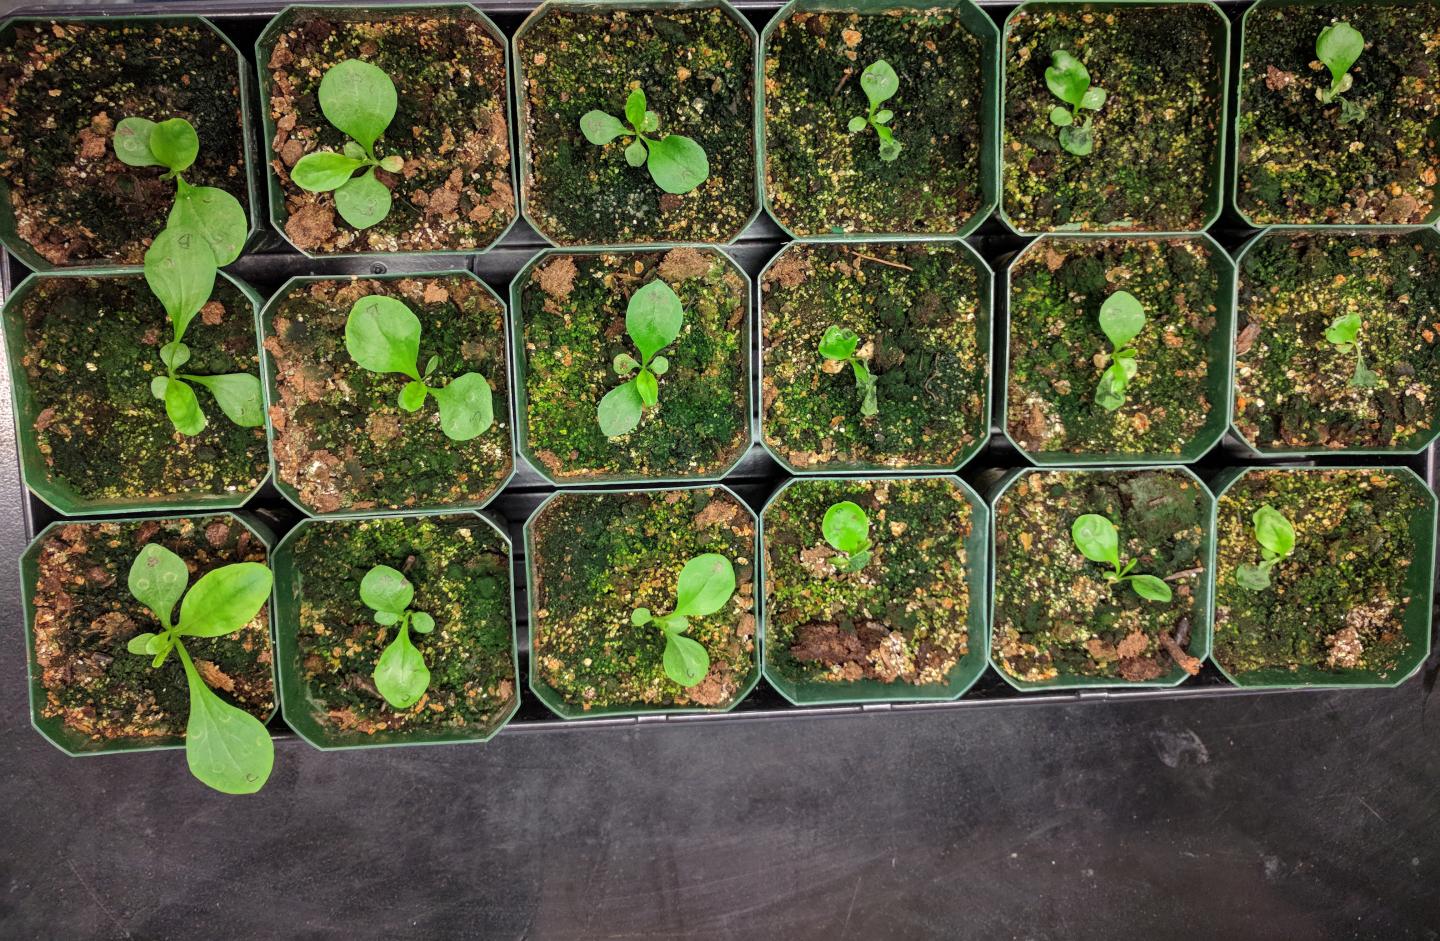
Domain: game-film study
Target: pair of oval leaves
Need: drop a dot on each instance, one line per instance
(653, 319)
(704, 587)
(676, 163)
(400, 674)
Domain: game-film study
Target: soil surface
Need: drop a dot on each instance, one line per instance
(91, 348)
(450, 126)
(342, 440)
(1292, 386)
(598, 557)
(1058, 352)
(460, 569)
(922, 313)
(85, 615)
(902, 619)
(820, 178)
(1336, 605)
(1297, 163)
(1055, 615)
(1157, 137)
(63, 88)
(573, 309)
(696, 69)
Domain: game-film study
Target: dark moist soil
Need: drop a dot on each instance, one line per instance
(574, 319)
(63, 88)
(1292, 387)
(1157, 137)
(91, 348)
(342, 440)
(1055, 615)
(1297, 162)
(598, 557)
(821, 179)
(1058, 351)
(903, 618)
(1337, 603)
(919, 310)
(695, 67)
(461, 572)
(454, 192)
(85, 615)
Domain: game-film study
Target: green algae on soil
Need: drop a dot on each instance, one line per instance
(598, 557)
(1055, 615)
(460, 569)
(1157, 137)
(1058, 351)
(695, 66)
(341, 438)
(64, 85)
(901, 619)
(1337, 603)
(922, 313)
(1292, 386)
(1296, 162)
(84, 616)
(573, 311)
(820, 178)
(454, 192)
(91, 348)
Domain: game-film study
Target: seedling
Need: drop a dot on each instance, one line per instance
(358, 99)
(1338, 46)
(677, 164)
(1344, 332)
(1277, 540)
(1069, 80)
(653, 319)
(1099, 541)
(1122, 318)
(847, 529)
(705, 585)
(838, 345)
(880, 83)
(383, 335)
(225, 747)
(401, 675)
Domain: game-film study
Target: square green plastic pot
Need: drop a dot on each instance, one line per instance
(296, 704)
(269, 384)
(1201, 634)
(1419, 585)
(22, 250)
(275, 194)
(984, 324)
(962, 676)
(1428, 235)
(522, 397)
(979, 25)
(551, 697)
(1219, 380)
(76, 744)
(55, 493)
(522, 104)
(1220, 36)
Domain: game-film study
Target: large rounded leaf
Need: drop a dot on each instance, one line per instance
(619, 410)
(678, 164)
(157, 580)
(653, 318)
(175, 144)
(401, 675)
(879, 82)
(383, 335)
(225, 747)
(359, 99)
(363, 200)
(225, 599)
(705, 584)
(601, 128)
(1122, 318)
(1067, 77)
(1096, 538)
(466, 407)
(324, 171)
(238, 395)
(132, 142)
(386, 589)
(685, 660)
(182, 407)
(846, 527)
(180, 269)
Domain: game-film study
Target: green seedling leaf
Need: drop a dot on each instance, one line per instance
(635, 108)
(1097, 539)
(140, 644)
(238, 395)
(686, 661)
(678, 164)
(180, 270)
(324, 171)
(640, 617)
(401, 675)
(175, 144)
(883, 116)
(363, 200)
(182, 407)
(386, 618)
(174, 355)
(432, 364)
(1060, 116)
(879, 82)
(601, 128)
(659, 365)
(648, 387)
(359, 99)
(625, 364)
(705, 585)
(1253, 577)
(858, 124)
(838, 344)
(1078, 140)
(225, 600)
(226, 748)
(421, 622)
(652, 122)
(846, 527)
(1122, 318)
(1339, 46)
(1273, 531)
(1364, 378)
(466, 407)
(635, 153)
(1093, 99)
(412, 395)
(653, 318)
(132, 142)
(619, 411)
(1067, 78)
(214, 215)
(1110, 393)
(386, 589)
(383, 335)
(157, 580)
(1150, 588)
(1344, 329)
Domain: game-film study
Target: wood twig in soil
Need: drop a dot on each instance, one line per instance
(879, 261)
(1183, 573)
(1187, 663)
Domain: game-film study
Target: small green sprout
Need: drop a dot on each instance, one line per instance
(1344, 333)
(880, 83)
(225, 747)
(653, 319)
(677, 164)
(1277, 540)
(705, 585)
(1069, 80)
(1099, 541)
(1122, 318)
(401, 675)
(358, 99)
(838, 345)
(847, 529)
(1338, 46)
